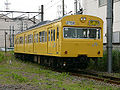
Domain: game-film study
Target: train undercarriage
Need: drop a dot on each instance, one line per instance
(80, 62)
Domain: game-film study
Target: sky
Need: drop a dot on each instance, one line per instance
(50, 6)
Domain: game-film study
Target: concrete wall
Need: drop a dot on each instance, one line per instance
(5, 26)
(91, 7)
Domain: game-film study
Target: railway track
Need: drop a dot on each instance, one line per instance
(94, 76)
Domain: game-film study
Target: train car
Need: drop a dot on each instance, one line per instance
(69, 41)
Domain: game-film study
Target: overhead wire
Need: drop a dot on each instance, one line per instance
(48, 3)
(52, 5)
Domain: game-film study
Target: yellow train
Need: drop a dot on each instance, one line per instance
(69, 41)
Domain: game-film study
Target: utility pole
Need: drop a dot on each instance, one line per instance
(75, 5)
(63, 7)
(20, 25)
(10, 36)
(34, 20)
(5, 40)
(109, 33)
(42, 12)
(39, 9)
(80, 9)
(13, 36)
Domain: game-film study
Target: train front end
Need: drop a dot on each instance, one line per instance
(82, 35)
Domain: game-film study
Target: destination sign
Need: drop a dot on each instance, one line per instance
(94, 23)
(70, 22)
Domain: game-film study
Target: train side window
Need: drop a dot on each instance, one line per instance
(25, 39)
(21, 40)
(45, 36)
(31, 36)
(49, 36)
(57, 33)
(53, 35)
(37, 38)
(40, 36)
(28, 38)
(34, 38)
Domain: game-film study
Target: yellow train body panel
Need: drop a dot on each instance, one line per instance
(70, 36)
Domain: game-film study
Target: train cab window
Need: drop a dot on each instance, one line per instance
(40, 36)
(49, 36)
(53, 35)
(57, 32)
(93, 33)
(98, 34)
(85, 35)
(82, 33)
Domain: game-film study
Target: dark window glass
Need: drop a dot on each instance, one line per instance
(40, 36)
(25, 39)
(53, 35)
(57, 32)
(36, 37)
(45, 36)
(49, 36)
(81, 33)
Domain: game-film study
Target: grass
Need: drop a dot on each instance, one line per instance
(1, 56)
(19, 78)
(14, 71)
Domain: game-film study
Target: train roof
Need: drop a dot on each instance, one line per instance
(48, 22)
(41, 24)
(44, 23)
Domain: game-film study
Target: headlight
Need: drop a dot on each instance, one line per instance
(83, 19)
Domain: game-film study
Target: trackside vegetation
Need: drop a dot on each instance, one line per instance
(31, 76)
(101, 64)
(1, 56)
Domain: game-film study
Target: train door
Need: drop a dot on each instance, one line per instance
(57, 40)
(49, 41)
(53, 40)
(35, 41)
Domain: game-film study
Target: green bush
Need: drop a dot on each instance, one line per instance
(1, 56)
(102, 63)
